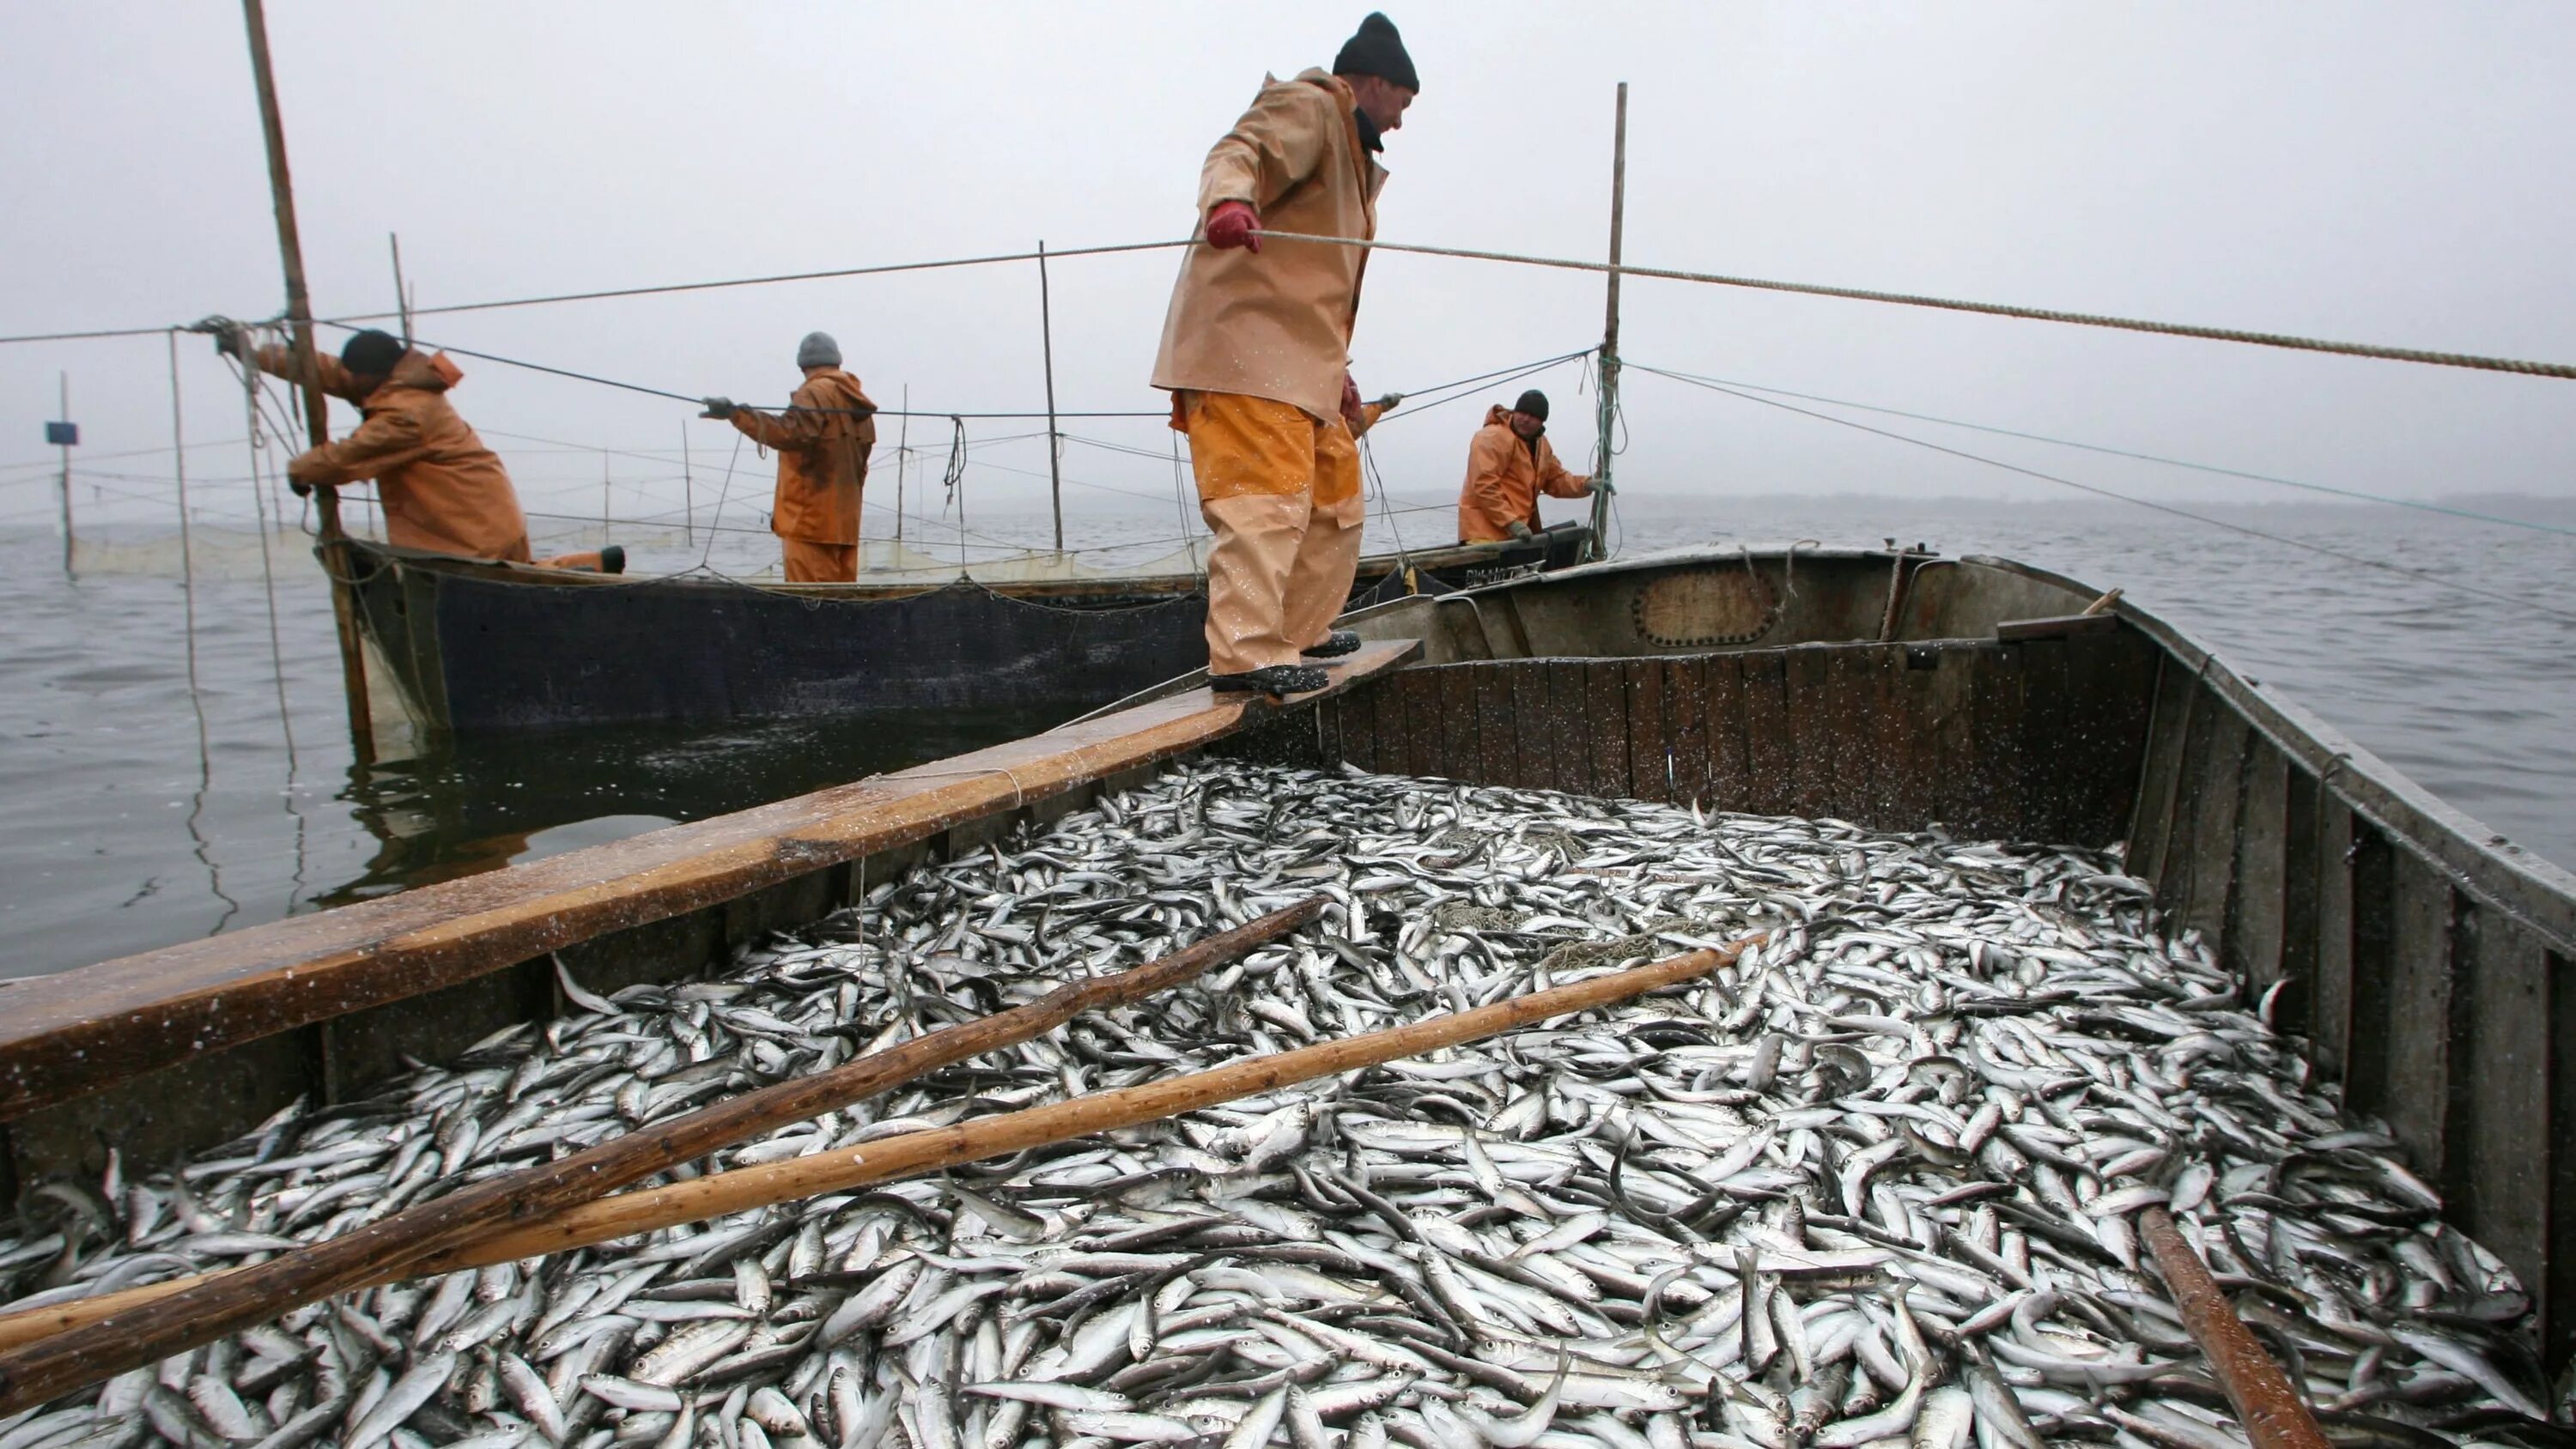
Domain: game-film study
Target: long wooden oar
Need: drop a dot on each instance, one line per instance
(915, 1153)
(115, 1332)
(2265, 1403)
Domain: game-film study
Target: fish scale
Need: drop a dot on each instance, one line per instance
(1849, 1150)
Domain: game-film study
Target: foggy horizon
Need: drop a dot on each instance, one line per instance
(2371, 174)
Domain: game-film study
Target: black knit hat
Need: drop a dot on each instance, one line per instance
(371, 353)
(1534, 403)
(1377, 50)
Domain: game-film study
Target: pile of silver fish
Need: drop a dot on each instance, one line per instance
(1873, 1184)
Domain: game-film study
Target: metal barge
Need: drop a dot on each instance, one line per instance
(2418, 953)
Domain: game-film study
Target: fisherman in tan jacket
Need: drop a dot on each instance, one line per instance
(823, 441)
(1256, 355)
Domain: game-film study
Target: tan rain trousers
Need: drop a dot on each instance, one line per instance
(1281, 491)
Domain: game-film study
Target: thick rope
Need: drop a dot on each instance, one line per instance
(1989, 309)
(2519, 366)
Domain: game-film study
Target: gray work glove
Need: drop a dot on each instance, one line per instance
(1517, 529)
(1602, 487)
(717, 407)
(1390, 402)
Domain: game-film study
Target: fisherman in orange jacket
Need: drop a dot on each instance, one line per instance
(1256, 355)
(442, 490)
(823, 441)
(1509, 464)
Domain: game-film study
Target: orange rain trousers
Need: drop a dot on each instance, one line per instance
(1281, 491)
(819, 563)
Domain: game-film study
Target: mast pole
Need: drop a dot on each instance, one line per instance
(65, 381)
(902, 459)
(1055, 447)
(334, 547)
(1609, 391)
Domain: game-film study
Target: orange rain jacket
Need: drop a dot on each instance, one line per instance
(823, 442)
(1505, 475)
(1277, 324)
(442, 490)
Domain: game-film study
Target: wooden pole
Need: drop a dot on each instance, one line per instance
(1609, 390)
(64, 380)
(688, 492)
(2265, 1403)
(1055, 448)
(402, 294)
(334, 546)
(915, 1153)
(902, 459)
(90, 1339)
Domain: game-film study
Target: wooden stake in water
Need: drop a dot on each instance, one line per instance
(317, 420)
(65, 414)
(1609, 393)
(1055, 448)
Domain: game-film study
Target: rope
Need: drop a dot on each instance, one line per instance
(1988, 309)
(2393, 502)
(2382, 565)
(267, 567)
(86, 336)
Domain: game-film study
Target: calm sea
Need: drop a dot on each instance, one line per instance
(142, 812)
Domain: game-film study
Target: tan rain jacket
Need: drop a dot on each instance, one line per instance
(1277, 324)
(442, 490)
(1505, 475)
(823, 445)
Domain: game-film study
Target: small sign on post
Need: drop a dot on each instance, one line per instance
(62, 435)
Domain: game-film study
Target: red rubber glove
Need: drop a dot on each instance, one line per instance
(1351, 410)
(1234, 224)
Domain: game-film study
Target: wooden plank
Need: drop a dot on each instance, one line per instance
(1357, 712)
(2295, 1012)
(1770, 753)
(1725, 770)
(2183, 840)
(2330, 1019)
(1605, 726)
(82, 1030)
(1993, 766)
(2374, 949)
(2015, 631)
(1419, 692)
(1819, 735)
(2177, 694)
(1886, 734)
(2110, 698)
(2218, 796)
(2252, 946)
(1461, 744)
(2499, 1124)
(2423, 918)
(1565, 705)
(1911, 762)
(1497, 727)
(2050, 764)
(1690, 710)
(1649, 748)
(2557, 1283)
(1530, 709)
(1950, 738)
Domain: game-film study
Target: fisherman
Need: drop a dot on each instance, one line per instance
(823, 441)
(441, 489)
(1256, 355)
(1509, 464)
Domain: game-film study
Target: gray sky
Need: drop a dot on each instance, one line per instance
(2373, 172)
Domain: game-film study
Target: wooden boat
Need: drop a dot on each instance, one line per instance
(465, 646)
(2423, 958)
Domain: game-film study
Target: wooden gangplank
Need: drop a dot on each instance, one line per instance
(85, 1030)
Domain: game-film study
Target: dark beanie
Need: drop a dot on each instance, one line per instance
(372, 353)
(1534, 403)
(1377, 50)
